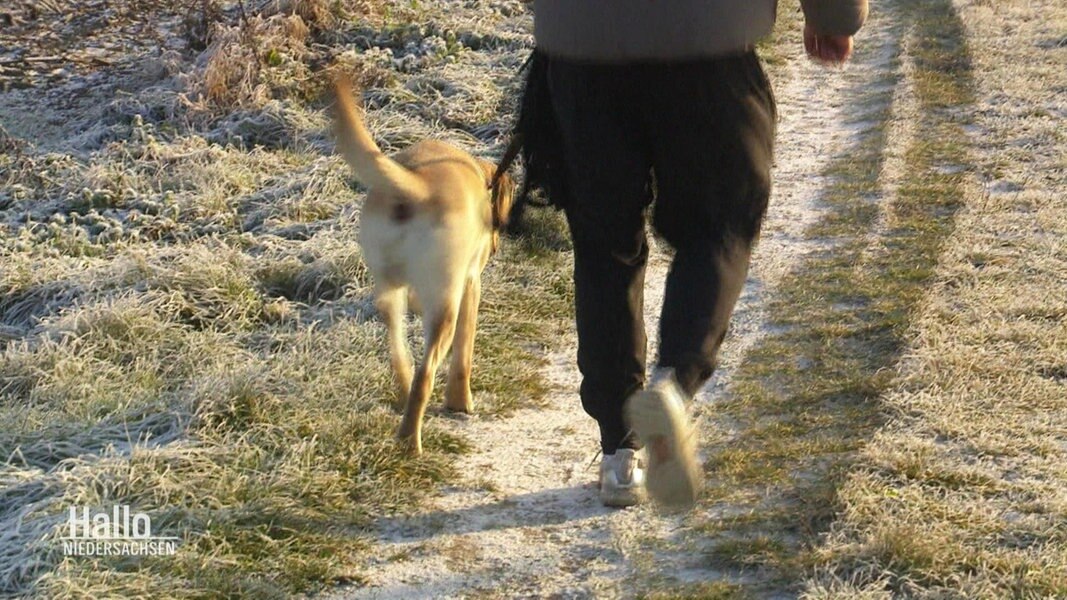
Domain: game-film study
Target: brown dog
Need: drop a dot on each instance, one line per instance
(429, 225)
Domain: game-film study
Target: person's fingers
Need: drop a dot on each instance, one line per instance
(833, 49)
(827, 50)
(840, 47)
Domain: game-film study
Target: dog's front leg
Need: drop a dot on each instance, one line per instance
(442, 326)
(458, 392)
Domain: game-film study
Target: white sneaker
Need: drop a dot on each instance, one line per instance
(657, 415)
(622, 478)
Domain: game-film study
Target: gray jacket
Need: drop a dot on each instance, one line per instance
(628, 30)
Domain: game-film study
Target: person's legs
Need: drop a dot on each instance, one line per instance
(608, 167)
(713, 139)
(711, 125)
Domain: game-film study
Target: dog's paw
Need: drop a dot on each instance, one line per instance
(459, 402)
(465, 408)
(409, 445)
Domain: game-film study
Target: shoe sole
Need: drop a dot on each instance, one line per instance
(674, 483)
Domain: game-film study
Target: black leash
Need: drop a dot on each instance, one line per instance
(515, 145)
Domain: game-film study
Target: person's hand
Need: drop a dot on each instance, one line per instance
(828, 49)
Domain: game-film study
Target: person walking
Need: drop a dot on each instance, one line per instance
(661, 103)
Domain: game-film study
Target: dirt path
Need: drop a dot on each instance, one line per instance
(525, 519)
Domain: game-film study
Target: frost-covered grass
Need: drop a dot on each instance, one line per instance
(185, 318)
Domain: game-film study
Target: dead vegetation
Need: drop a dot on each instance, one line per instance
(233, 61)
(266, 53)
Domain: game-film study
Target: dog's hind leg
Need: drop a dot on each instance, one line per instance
(440, 327)
(458, 392)
(392, 305)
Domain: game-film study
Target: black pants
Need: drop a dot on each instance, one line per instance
(695, 140)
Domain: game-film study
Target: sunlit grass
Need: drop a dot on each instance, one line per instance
(186, 326)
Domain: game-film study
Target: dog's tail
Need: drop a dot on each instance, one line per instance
(501, 194)
(502, 189)
(373, 169)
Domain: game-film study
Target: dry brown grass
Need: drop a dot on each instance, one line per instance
(234, 63)
(265, 54)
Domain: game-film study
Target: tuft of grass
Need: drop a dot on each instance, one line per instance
(242, 62)
(267, 54)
